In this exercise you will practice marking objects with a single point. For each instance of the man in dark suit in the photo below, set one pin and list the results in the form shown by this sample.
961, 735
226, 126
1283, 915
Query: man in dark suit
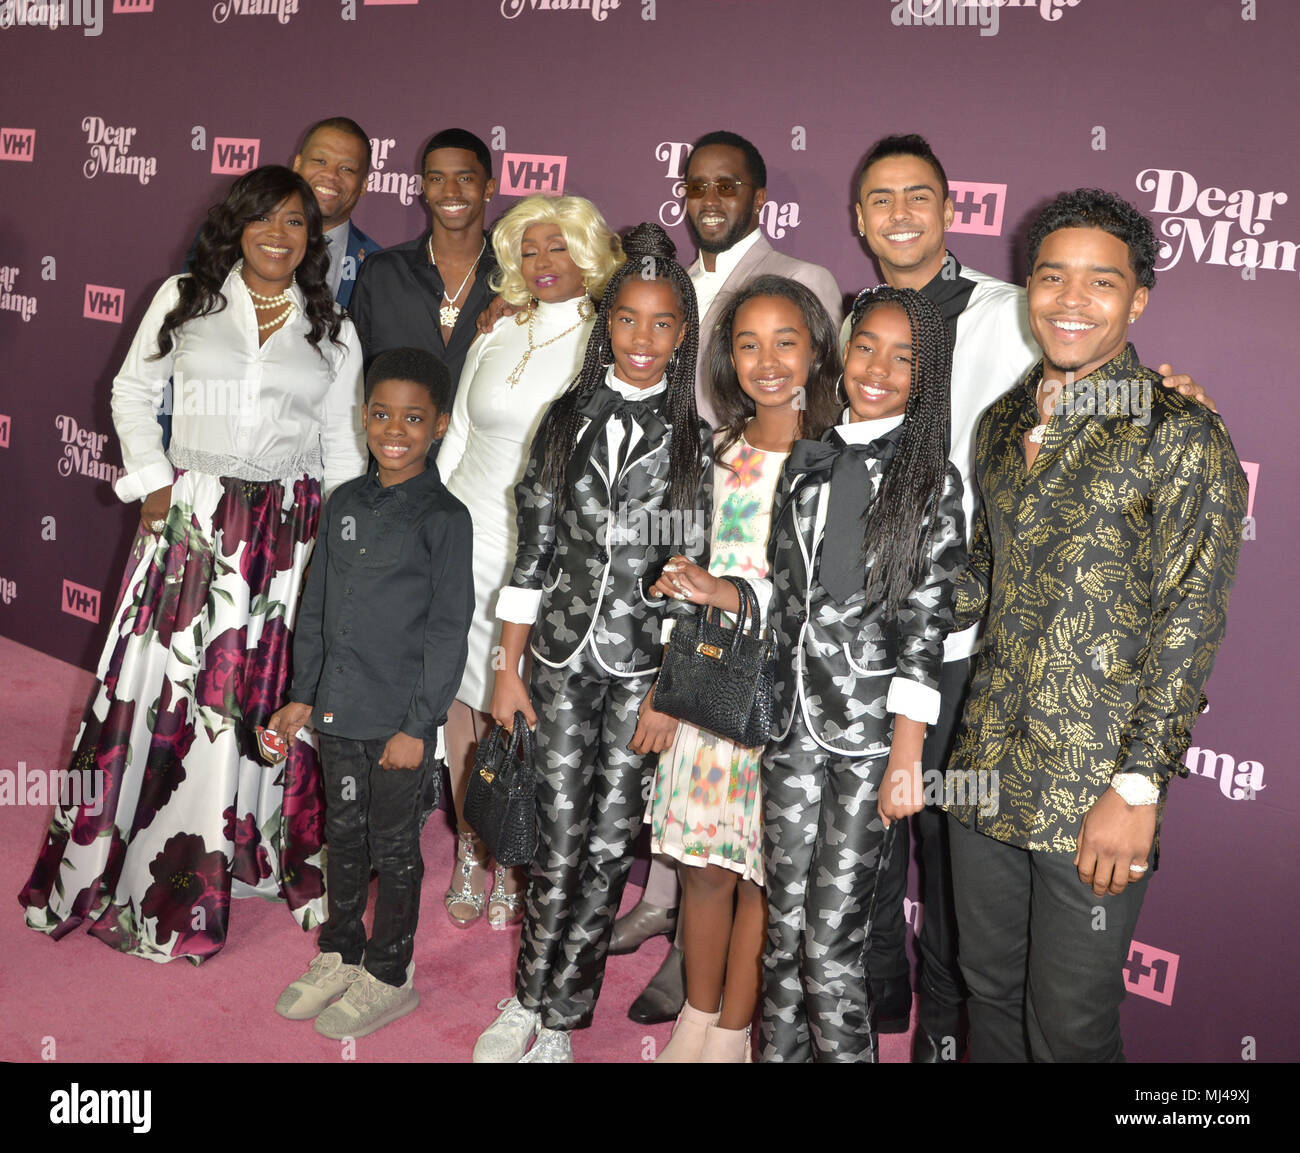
428, 292
335, 161
726, 188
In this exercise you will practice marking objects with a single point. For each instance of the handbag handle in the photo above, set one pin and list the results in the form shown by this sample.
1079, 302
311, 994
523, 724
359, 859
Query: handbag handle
521, 739
747, 613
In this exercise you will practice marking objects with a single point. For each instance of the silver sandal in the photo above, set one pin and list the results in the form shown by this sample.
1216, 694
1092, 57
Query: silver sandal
466, 894
512, 903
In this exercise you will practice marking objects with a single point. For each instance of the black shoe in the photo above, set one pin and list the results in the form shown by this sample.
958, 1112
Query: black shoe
663, 998
635, 928
927, 1050
892, 1001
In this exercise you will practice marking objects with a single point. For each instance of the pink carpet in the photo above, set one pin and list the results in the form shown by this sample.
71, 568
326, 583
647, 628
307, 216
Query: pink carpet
78, 1000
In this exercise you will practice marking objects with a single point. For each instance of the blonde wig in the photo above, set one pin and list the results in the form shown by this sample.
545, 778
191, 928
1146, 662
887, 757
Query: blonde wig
593, 247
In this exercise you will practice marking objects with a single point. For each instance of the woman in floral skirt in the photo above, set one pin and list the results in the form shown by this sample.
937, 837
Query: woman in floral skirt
267, 380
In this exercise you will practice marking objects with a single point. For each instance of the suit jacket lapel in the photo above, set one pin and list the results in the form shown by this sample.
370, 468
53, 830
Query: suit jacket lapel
745, 271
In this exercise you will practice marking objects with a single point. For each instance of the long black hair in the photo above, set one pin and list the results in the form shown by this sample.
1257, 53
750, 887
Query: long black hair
818, 408
909, 491
252, 195
650, 256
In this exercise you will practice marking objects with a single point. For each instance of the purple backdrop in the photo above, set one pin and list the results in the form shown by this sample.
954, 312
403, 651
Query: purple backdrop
118, 130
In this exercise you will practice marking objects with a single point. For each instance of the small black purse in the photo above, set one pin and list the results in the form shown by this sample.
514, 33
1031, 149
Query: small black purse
719, 678
501, 803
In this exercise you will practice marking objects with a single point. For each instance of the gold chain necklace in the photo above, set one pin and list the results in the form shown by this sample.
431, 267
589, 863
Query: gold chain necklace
585, 312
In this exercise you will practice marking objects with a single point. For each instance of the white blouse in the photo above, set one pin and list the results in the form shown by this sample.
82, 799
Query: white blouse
256, 412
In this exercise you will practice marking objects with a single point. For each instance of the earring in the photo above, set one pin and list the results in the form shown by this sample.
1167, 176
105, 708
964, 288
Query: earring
672, 363
841, 391
586, 309
1132, 320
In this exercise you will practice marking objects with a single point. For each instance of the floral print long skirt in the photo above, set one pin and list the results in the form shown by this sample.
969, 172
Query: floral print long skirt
178, 812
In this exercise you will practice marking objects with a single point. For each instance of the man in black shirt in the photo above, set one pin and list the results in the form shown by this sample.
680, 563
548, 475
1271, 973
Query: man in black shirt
379, 649
427, 292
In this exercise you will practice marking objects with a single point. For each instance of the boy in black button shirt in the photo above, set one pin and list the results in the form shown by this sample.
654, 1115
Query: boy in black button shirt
378, 655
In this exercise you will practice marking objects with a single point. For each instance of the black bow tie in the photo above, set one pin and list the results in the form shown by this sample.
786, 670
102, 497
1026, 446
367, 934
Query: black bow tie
847, 467
601, 406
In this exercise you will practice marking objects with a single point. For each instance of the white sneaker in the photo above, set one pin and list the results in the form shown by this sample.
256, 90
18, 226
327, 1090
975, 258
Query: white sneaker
506, 1040
369, 1004
327, 978
551, 1048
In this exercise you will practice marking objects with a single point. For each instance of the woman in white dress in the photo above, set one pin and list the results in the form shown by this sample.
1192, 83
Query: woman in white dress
554, 255
267, 374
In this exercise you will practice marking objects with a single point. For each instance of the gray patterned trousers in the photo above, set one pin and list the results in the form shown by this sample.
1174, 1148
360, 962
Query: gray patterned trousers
822, 844
591, 797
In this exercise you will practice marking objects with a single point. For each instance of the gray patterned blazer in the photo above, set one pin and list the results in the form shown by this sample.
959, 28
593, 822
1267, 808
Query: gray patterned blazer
837, 661
594, 567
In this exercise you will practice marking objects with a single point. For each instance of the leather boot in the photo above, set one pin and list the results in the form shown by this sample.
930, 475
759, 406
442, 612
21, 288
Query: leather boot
636, 927
663, 998
687, 1042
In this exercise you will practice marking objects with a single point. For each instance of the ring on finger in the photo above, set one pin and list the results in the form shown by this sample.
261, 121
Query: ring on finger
1138, 869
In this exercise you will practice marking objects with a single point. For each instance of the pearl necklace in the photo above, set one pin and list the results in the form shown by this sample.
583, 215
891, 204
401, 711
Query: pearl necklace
449, 313
261, 302
584, 314
288, 308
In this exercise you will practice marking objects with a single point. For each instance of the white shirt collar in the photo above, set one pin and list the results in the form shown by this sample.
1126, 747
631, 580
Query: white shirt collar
865, 431
338, 232
724, 263
630, 391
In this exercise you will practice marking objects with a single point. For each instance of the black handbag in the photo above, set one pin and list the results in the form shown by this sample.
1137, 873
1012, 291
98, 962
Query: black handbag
719, 678
501, 803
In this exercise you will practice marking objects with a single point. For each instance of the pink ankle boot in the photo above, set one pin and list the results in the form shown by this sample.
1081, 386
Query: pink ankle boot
729, 1046
687, 1041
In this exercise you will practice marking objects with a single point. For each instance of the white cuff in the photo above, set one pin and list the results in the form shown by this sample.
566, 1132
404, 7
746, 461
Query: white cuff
667, 629
138, 485
914, 700
518, 606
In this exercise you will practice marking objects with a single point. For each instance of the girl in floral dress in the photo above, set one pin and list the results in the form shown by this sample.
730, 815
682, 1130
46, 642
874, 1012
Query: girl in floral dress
772, 372
267, 384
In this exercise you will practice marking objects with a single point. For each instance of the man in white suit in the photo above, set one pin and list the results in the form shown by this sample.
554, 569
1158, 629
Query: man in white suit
726, 188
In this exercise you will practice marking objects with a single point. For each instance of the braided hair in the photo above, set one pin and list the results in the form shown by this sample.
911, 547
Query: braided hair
819, 408
219, 246
913, 481
650, 256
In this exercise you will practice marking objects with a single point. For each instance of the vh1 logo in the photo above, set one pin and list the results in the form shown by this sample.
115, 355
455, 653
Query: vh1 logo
4, 431
132, 5
103, 303
231, 154
977, 208
523, 173
1251, 469
1151, 972
17, 143
79, 601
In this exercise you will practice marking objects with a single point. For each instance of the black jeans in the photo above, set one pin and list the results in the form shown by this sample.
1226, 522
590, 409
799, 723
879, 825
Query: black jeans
372, 819
941, 986
1042, 954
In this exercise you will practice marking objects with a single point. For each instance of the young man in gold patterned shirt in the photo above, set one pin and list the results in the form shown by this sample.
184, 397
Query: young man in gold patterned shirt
1102, 557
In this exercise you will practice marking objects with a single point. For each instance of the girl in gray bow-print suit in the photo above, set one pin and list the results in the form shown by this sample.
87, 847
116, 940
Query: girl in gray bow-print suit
619, 479
867, 536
